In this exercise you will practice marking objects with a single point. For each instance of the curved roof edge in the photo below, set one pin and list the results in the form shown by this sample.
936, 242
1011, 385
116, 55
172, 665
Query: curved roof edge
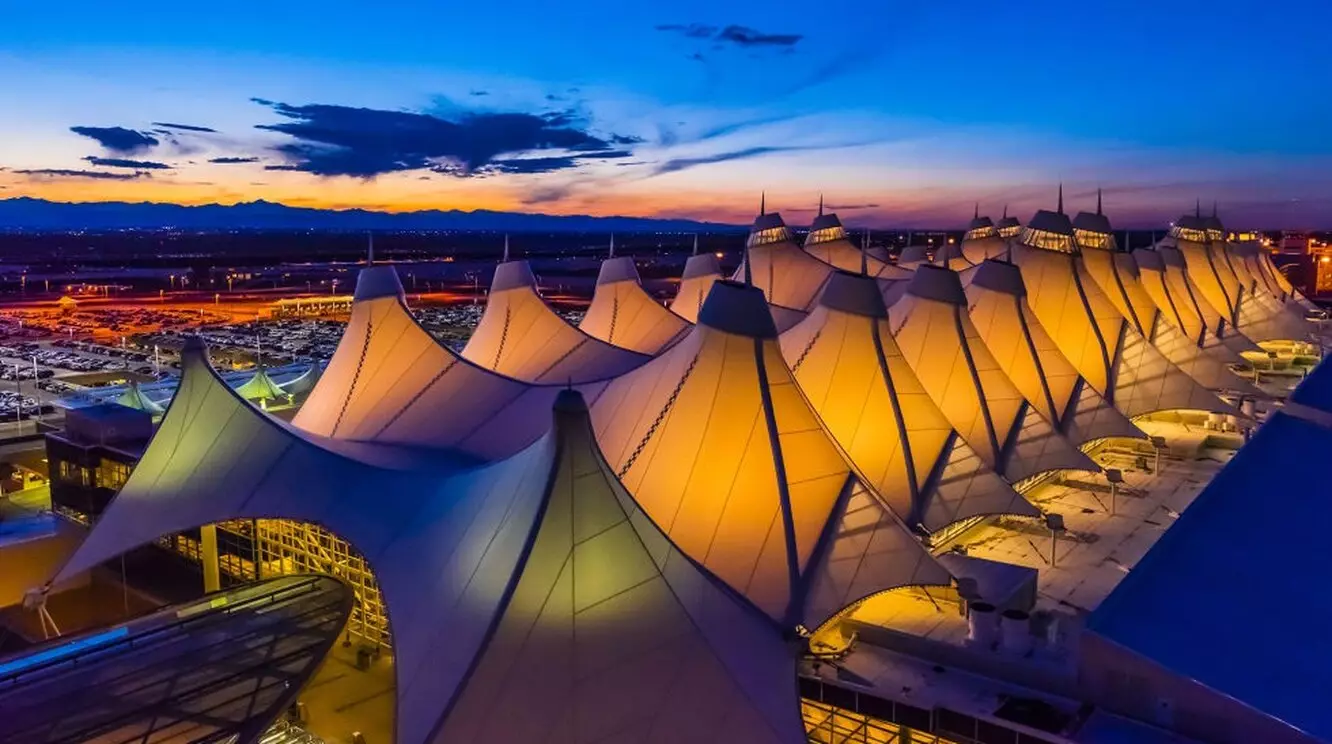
737, 308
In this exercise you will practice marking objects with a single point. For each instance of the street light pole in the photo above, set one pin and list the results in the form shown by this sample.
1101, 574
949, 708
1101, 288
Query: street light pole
36, 391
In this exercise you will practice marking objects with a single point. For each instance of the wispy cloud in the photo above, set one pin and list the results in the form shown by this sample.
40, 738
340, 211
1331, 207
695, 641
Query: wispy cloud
184, 127
71, 173
736, 35
126, 163
232, 160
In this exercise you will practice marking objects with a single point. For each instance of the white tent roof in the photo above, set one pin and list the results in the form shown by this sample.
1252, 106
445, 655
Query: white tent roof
965, 381
612, 633
260, 387
720, 448
1085, 325
442, 538
789, 277
1171, 293
699, 273
391, 382
305, 383
521, 337
850, 369
658, 642
134, 398
623, 314
1281, 281
1184, 291
1032, 360
827, 241
1221, 288
951, 256
913, 255
1118, 276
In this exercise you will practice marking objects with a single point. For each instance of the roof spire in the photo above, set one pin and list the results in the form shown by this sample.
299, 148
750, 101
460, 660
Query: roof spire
1214, 209
1005, 211
820, 204
695, 244
612, 246
1061, 198
763, 203
506, 249
370, 256
864, 253
1197, 207
1098, 200
975, 215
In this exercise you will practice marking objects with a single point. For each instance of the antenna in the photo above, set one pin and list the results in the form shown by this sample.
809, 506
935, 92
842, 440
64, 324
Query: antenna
1214, 208
763, 203
976, 215
612, 246
1197, 208
820, 204
1061, 198
1005, 211
695, 244
506, 248
1098, 200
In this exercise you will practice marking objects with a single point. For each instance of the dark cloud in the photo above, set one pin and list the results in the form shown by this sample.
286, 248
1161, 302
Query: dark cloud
745, 36
119, 139
233, 160
183, 127
742, 36
478, 93
333, 140
124, 163
69, 173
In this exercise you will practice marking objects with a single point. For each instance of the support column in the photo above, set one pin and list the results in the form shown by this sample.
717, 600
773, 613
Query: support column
208, 554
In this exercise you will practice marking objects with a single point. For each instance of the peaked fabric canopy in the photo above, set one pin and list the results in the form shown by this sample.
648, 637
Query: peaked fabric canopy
305, 383
721, 450
261, 387
1187, 297
611, 633
1120, 279
952, 256
1221, 288
624, 315
789, 277
391, 382
913, 256
1170, 293
521, 337
849, 367
945, 350
134, 398
827, 241
699, 274
1032, 360
442, 538
1112, 356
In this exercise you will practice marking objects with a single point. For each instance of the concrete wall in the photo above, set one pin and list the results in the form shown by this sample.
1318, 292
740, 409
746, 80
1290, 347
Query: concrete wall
1122, 682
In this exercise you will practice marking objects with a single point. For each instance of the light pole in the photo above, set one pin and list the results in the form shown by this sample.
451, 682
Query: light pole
36, 391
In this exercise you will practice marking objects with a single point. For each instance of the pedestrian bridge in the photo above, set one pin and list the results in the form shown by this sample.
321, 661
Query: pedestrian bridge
218, 669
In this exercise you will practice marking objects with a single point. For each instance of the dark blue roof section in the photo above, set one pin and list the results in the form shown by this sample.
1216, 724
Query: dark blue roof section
1316, 389
1234, 594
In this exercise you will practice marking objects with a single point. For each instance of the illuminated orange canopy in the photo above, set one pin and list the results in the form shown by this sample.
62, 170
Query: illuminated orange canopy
521, 337
624, 315
720, 448
849, 367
